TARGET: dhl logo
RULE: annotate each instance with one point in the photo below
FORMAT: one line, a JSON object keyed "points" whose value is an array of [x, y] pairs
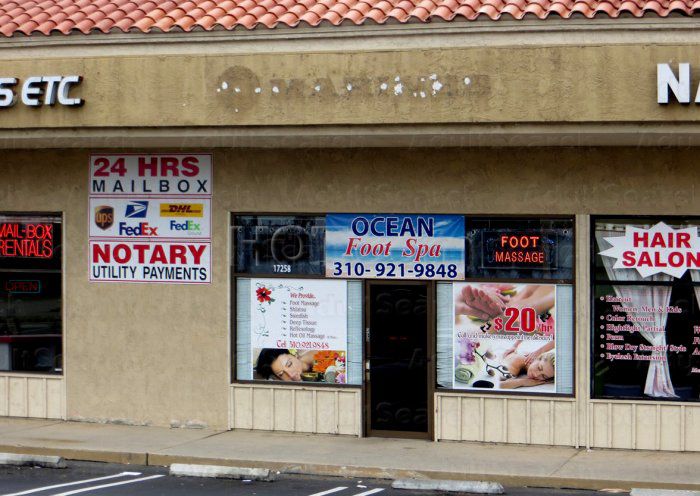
{"points": [[181, 209]]}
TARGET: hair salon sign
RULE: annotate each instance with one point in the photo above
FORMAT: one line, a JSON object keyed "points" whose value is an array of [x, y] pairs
{"points": [[658, 250]]}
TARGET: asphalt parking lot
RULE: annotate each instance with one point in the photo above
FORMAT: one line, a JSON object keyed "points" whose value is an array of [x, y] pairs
{"points": [[100, 479]]}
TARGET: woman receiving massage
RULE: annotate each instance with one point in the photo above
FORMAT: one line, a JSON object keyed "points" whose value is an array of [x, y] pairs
{"points": [[531, 369]]}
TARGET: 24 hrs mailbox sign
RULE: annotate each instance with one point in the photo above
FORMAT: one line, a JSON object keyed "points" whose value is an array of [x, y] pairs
{"points": [[150, 218]]}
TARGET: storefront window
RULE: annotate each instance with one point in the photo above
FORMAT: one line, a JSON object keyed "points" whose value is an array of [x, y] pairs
{"points": [[507, 248], [306, 329], [279, 244], [30, 293], [299, 330], [509, 327], [646, 317]]}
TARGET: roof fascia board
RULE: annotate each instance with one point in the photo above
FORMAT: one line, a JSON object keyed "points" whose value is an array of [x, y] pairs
{"points": [[442, 136], [674, 29]]}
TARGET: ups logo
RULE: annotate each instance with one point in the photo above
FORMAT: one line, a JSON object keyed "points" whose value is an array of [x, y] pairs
{"points": [[104, 216]]}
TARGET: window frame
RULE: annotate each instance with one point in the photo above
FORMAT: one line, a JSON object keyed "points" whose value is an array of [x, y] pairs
{"points": [[234, 276], [594, 282], [559, 282], [61, 270]]}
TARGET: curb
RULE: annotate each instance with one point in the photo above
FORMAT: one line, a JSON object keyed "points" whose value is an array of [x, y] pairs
{"points": [[325, 470], [662, 492], [476, 487], [83, 455], [164, 460], [220, 472], [24, 460]]}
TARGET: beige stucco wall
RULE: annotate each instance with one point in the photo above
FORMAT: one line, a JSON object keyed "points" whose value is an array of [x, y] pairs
{"points": [[154, 354], [477, 84]]}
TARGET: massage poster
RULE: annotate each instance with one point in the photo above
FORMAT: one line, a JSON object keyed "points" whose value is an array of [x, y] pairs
{"points": [[646, 310], [299, 330], [504, 336], [395, 246]]}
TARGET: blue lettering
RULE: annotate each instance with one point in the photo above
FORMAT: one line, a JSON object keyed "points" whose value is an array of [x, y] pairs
{"points": [[359, 226], [392, 226], [373, 226], [407, 227], [426, 226]]}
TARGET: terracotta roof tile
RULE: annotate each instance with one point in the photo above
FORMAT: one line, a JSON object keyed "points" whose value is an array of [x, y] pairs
{"points": [[65, 16], [332, 17], [227, 22], [248, 21]]}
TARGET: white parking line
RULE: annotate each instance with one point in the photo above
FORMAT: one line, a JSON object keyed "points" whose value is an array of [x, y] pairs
{"points": [[371, 491], [74, 483], [330, 491], [94, 488]]}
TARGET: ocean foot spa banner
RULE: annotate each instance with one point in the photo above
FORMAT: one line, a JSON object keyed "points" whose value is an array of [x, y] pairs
{"points": [[646, 318], [504, 336], [299, 330], [386, 246]]}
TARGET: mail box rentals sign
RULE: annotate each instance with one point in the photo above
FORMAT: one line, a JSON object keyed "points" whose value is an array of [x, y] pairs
{"points": [[150, 218]]}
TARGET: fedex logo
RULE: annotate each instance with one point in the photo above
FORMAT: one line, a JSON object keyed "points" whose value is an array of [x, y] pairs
{"points": [[142, 229], [184, 226]]}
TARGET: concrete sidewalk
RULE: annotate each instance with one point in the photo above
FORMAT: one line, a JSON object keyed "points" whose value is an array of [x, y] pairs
{"points": [[349, 456]]}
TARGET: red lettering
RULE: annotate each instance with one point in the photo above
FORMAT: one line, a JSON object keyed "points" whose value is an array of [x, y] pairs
{"points": [[683, 240], [169, 164], [352, 245], [410, 248], [151, 167], [644, 260], [675, 259], [197, 252], [657, 260], [100, 253], [190, 166], [121, 253], [158, 255], [178, 252], [141, 252], [640, 239], [658, 240], [628, 259], [693, 259], [422, 251]]}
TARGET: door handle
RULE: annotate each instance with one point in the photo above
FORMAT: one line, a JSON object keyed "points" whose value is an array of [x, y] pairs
{"points": [[367, 334]]}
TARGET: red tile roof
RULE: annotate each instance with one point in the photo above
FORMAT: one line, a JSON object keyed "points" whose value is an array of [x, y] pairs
{"points": [[65, 16]]}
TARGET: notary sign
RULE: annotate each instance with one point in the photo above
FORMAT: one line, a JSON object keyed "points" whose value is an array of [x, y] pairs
{"points": [[395, 246], [149, 218]]}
